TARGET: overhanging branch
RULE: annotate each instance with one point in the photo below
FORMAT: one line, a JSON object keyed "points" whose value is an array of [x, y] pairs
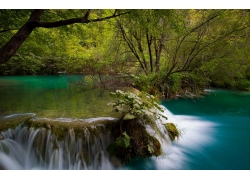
{"points": [[82, 20], [6, 30]]}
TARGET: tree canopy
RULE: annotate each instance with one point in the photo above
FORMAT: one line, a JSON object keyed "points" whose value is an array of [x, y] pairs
{"points": [[173, 51]]}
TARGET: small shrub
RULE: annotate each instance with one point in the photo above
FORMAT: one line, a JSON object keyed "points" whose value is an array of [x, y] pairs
{"points": [[133, 106], [131, 136]]}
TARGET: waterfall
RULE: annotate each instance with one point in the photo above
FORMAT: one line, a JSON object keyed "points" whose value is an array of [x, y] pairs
{"points": [[38, 148], [195, 132], [158, 130], [24, 148]]}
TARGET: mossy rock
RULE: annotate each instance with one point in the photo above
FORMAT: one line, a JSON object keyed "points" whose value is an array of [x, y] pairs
{"points": [[11, 122], [173, 132], [60, 128], [141, 143]]}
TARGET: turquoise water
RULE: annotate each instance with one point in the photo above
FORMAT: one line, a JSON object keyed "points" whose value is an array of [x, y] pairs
{"points": [[215, 129], [216, 133], [51, 97], [217, 103]]}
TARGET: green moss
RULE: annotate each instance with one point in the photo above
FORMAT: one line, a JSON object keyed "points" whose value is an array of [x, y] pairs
{"points": [[173, 132], [13, 122], [156, 146], [141, 143], [60, 128]]}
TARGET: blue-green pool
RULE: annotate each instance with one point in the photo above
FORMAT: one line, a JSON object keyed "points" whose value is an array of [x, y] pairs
{"points": [[215, 129]]}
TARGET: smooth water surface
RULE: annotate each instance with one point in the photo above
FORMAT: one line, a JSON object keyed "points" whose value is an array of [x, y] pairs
{"points": [[51, 97]]}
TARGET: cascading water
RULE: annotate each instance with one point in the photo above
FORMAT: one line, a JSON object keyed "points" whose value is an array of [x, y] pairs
{"points": [[159, 131], [194, 134], [24, 148], [29, 148]]}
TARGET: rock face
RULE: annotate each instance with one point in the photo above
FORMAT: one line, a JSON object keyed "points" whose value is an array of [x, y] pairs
{"points": [[13, 121], [59, 128]]}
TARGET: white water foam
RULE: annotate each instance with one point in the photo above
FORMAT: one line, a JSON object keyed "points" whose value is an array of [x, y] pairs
{"points": [[195, 134], [18, 150]]}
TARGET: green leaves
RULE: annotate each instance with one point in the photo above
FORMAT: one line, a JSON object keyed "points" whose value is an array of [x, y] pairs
{"points": [[132, 106], [122, 141], [111, 148], [129, 116]]}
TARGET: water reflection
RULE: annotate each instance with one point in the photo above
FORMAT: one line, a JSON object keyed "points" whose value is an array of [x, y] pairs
{"points": [[50, 96]]}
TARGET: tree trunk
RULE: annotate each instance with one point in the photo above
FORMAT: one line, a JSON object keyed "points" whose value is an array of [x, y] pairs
{"points": [[10, 48], [138, 40], [158, 49], [149, 41]]}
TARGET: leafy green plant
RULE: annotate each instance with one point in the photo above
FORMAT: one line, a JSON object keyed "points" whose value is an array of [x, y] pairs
{"points": [[133, 106], [135, 109], [121, 141], [243, 84], [175, 81]]}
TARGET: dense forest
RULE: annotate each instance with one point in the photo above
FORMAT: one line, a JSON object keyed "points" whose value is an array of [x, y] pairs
{"points": [[166, 52]]}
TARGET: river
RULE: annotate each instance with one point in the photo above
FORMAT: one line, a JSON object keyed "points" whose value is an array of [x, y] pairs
{"points": [[215, 129]]}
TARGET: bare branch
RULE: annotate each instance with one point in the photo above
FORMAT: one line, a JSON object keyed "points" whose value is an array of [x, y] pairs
{"points": [[131, 46], [218, 39], [192, 30]]}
